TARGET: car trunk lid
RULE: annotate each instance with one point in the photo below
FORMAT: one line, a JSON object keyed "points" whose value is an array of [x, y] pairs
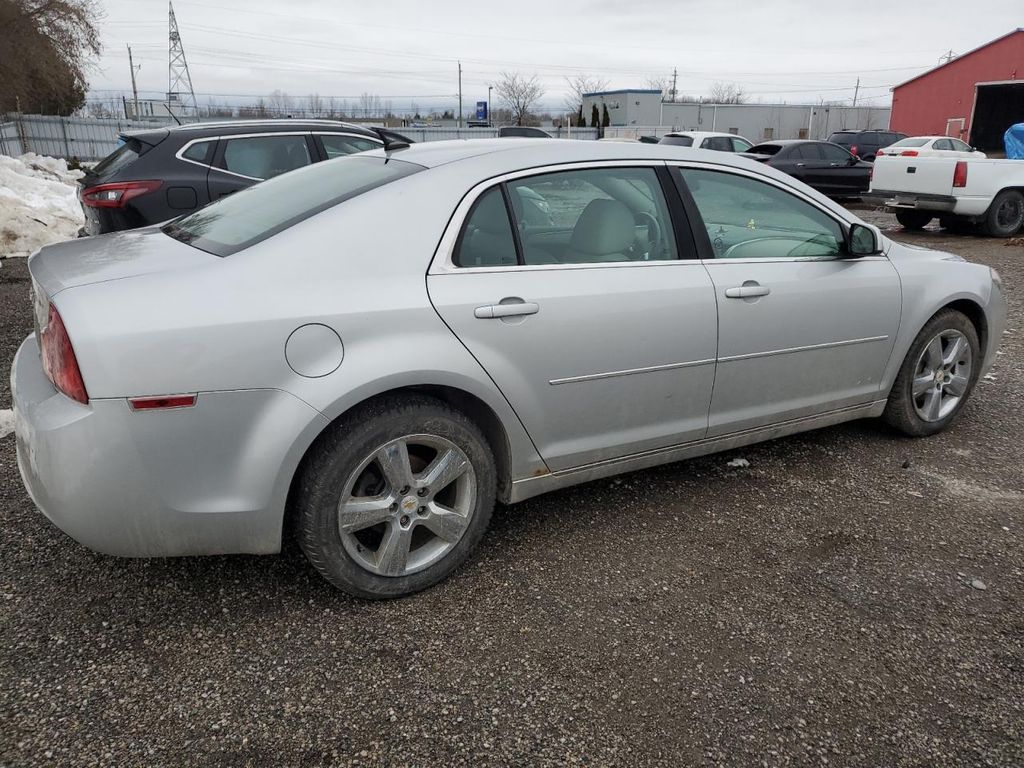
{"points": [[118, 256]]}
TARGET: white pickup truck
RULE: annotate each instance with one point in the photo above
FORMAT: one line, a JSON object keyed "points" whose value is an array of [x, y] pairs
{"points": [[989, 193]]}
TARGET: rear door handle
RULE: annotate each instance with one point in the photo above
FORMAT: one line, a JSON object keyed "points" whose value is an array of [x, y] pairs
{"points": [[747, 291], [506, 310]]}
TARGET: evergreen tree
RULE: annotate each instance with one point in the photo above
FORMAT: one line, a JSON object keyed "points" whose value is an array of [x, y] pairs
{"points": [[595, 117]]}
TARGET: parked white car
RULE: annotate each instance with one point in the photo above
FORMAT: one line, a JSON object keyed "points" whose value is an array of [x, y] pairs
{"points": [[932, 146], [959, 191], [720, 142]]}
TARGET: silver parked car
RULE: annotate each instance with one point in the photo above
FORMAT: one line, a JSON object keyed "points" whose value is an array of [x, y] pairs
{"points": [[368, 352]]}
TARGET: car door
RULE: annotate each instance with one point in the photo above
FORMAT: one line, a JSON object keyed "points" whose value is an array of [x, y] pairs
{"points": [[241, 161], [810, 165], [842, 173], [802, 328], [790, 159], [603, 341]]}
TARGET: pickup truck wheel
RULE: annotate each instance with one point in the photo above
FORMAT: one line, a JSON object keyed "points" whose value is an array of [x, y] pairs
{"points": [[911, 219], [1006, 214], [936, 377]]}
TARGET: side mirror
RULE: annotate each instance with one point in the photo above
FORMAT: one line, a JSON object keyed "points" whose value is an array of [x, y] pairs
{"points": [[853, 160], [863, 240]]}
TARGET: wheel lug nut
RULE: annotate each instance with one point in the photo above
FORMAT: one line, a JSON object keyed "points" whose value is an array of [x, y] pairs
{"points": [[422, 491], [422, 510], [405, 490], [404, 521], [394, 506]]}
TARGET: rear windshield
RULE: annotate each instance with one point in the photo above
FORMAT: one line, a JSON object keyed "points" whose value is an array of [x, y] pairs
{"points": [[678, 141], [245, 218], [911, 143], [765, 149], [117, 159], [846, 139]]}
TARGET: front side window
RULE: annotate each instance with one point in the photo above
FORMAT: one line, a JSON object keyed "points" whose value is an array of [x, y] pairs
{"points": [[592, 216], [245, 218], [750, 219], [740, 145], [263, 157], [944, 145], [960, 146], [834, 154], [336, 145], [718, 143]]}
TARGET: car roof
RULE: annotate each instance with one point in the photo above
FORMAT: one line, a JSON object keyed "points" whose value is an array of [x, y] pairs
{"points": [[227, 128], [702, 134], [508, 155]]}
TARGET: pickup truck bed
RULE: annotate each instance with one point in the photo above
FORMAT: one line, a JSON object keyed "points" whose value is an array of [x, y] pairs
{"points": [[986, 192]]}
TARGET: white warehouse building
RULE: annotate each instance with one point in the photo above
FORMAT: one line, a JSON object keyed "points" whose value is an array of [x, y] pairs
{"points": [[636, 112]]}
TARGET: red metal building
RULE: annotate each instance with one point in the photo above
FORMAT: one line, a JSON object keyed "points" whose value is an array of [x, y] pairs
{"points": [[974, 97]]}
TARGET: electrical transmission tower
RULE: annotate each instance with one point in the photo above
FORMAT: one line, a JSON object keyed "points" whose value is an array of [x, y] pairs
{"points": [[179, 81]]}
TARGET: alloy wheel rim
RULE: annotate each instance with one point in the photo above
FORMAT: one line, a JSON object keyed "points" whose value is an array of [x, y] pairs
{"points": [[1010, 212], [407, 505], [942, 375]]}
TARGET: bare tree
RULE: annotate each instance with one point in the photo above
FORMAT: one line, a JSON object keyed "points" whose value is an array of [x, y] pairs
{"points": [[45, 52], [727, 93], [314, 105], [663, 84], [519, 93], [281, 103], [580, 85], [370, 105]]}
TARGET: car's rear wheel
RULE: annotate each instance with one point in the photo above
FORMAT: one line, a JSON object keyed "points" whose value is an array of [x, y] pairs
{"points": [[395, 497], [1005, 215], [913, 219], [937, 376]]}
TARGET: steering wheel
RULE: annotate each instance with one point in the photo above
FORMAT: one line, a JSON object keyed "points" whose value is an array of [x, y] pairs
{"points": [[653, 233]]}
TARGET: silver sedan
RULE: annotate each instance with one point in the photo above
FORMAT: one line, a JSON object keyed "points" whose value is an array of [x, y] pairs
{"points": [[369, 352]]}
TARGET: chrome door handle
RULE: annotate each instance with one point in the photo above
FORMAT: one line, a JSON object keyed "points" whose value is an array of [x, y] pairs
{"points": [[747, 291], [506, 310], [800, 165]]}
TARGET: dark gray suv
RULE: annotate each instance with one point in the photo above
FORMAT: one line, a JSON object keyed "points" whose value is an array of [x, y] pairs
{"points": [[865, 144]]}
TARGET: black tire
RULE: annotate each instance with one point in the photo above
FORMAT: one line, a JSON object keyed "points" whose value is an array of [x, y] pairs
{"points": [[900, 412], [913, 219], [338, 454], [1005, 216]]}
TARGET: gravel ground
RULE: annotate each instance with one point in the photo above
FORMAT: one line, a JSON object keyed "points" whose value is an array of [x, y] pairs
{"points": [[851, 598]]}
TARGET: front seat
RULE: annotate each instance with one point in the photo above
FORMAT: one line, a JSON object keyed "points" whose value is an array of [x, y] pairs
{"points": [[605, 231]]}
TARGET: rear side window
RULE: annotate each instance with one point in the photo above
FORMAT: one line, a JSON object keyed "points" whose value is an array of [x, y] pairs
{"points": [[245, 218], [336, 145], [263, 157], [118, 159], [487, 240], [845, 139], [199, 152]]}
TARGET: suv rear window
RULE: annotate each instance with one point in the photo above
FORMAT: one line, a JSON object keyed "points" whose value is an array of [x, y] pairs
{"points": [[118, 159], [846, 139], [245, 218]]}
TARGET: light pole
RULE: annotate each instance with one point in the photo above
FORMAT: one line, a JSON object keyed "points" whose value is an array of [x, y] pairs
{"points": [[490, 121]]}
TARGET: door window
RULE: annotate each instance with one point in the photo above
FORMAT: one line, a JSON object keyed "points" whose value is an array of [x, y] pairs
{"points": [[805, 152], [336, 145], [262, 157], [944, 145], [749, 219], [834, 154], [718, 143], [198, 152], [593, 216], [960, 146], [740, 145]]}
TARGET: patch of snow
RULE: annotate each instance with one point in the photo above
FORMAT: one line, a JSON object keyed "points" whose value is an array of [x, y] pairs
{"points": [[6, 422], [38, 203], [739, 463]]}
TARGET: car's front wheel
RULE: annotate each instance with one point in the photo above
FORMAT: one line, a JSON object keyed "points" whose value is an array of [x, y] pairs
{"points": [[395, 496], [936, 377]]}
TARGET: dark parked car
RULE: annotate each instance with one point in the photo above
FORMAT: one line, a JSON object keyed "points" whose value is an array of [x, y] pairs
{"points": [[828, 168], [522, 132], [865, 144], [163, 173]]}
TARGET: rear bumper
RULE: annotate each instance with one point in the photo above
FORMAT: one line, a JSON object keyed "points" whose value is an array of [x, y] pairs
{"points": [[924, 202], [212, 479]]}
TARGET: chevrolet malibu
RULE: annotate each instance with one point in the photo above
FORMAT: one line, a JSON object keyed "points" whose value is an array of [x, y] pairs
{"points": [[369, 352]]}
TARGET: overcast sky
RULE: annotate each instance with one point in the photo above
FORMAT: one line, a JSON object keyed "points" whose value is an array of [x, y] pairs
{"points": [[406, 50]]}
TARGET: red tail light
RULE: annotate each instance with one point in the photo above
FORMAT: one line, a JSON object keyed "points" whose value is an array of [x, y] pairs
{"points": [[871, 173], [59, 359], [908, 153], [960, 174], [853, 150], [116, 195]]}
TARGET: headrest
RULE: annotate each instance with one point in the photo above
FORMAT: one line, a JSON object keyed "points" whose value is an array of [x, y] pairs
{"points": [[604, 227]]}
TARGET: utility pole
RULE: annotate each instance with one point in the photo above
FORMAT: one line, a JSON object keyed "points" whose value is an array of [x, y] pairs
{"points": [[460, 94], [856, 91], [675, 74], [135, 90]]}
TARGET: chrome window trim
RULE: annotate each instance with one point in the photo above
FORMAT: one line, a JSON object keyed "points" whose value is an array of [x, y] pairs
{"points": [[180, 152], [443, 261]]}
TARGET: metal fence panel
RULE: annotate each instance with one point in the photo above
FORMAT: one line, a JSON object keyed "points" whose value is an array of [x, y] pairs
{"points": [[90, 138]]}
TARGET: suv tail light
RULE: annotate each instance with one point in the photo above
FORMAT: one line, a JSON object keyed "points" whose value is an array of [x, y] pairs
{"points": [[960, 174], [59, 359], [853, 150], [117, 194], [908, 153]]}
